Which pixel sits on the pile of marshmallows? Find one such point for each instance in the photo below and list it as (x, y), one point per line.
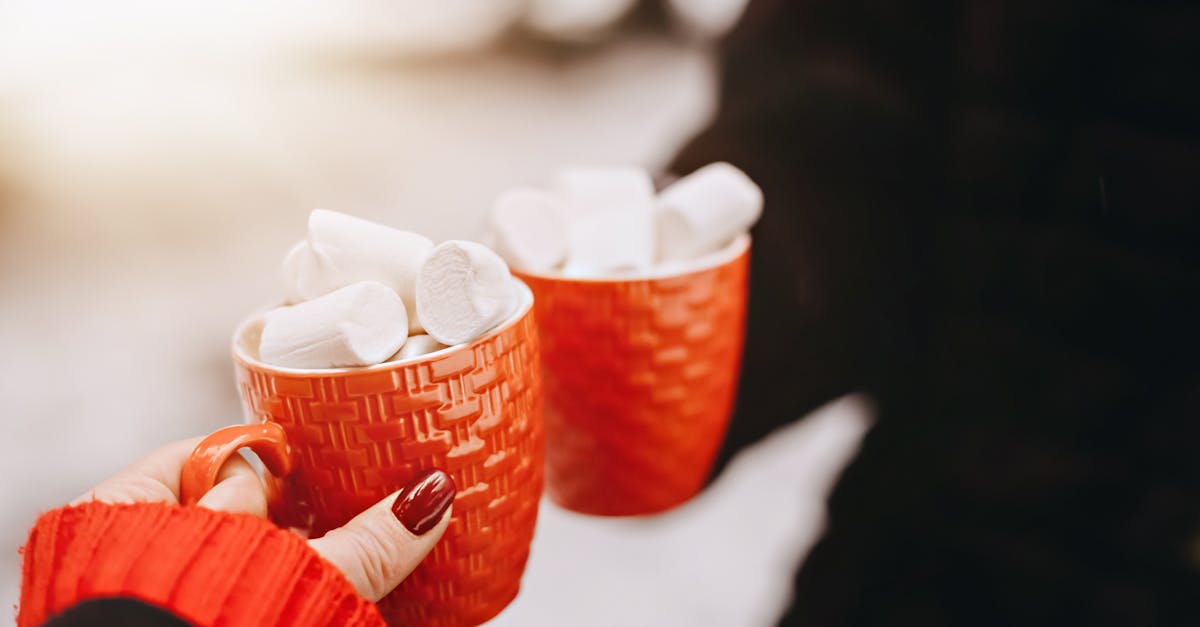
(602, 222)
(363, 293)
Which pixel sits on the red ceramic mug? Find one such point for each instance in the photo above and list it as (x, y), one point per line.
(641, 376)
(337, 441)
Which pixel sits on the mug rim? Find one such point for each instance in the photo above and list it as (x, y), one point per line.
(244, 358)
(710, 261)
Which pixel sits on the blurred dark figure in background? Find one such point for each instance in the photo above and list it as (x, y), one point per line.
(984, 214)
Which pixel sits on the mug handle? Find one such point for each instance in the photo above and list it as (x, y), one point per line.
(199, 473)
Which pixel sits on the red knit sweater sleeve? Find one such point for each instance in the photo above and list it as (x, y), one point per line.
(207, 567)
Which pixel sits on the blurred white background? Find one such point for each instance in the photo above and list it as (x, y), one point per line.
(156, 160)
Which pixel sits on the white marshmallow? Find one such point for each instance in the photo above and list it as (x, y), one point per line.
(463, 290)
(358, 325)
(705, 210)
(416, 346)
(611, 223)
(302, 266)
(588, 190)
(527, 229)
(343, 249)
(615, 241)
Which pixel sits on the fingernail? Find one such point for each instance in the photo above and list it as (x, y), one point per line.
(424, 500)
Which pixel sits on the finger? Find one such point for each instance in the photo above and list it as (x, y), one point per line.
(382, 545)
(152, 479)
(238, 490)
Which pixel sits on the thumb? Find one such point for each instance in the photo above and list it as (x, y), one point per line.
(381, 546)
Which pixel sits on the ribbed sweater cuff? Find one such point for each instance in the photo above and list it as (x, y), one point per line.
(207, 567)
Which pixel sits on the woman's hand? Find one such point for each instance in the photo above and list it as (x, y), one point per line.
(375, 551)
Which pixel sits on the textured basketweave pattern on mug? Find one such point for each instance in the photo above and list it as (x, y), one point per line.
(640, 382)
(475, 413)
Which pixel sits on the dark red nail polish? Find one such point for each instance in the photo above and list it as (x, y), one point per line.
(424, 500)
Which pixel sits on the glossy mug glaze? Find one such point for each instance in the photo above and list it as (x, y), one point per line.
(336, 441)
(640, 376)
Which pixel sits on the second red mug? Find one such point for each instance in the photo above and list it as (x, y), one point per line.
(641, 375)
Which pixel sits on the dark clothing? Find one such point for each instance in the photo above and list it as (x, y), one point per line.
(985, 215)
(116, 612)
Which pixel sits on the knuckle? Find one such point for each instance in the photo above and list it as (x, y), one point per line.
(239, 494)
(372, 557)
(134, 490)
